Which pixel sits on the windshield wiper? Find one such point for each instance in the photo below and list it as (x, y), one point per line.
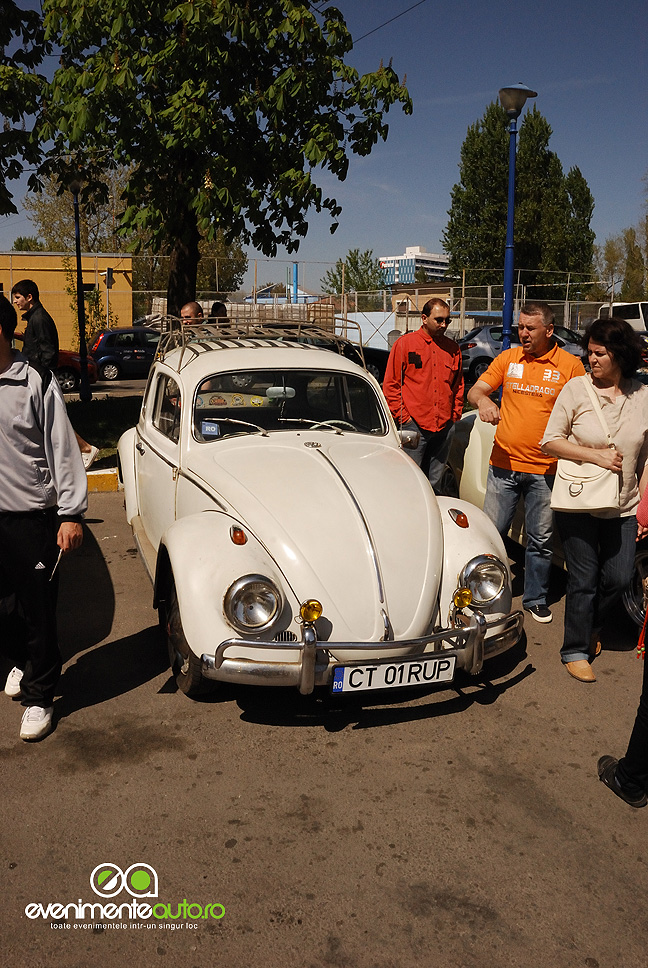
(243, 423)
(311, 423)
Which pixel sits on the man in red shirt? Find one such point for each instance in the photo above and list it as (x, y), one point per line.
(424, 387)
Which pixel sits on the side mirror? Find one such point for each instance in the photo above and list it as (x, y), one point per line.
(409, 439)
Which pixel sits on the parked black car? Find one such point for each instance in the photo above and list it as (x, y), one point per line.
(124, 352)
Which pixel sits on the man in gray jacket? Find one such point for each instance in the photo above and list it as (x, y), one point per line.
(42, 498)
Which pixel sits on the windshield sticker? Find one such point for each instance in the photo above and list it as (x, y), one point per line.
(257, 401)
(237, 400)
(217, 401)
(210, 429)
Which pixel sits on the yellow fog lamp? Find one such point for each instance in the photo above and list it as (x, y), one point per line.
(310, 611)
(462, 597)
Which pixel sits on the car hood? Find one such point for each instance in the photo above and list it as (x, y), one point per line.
(348, 520)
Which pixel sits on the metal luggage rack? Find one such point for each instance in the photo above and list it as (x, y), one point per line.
(222, 332)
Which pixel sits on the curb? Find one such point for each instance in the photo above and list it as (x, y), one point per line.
(103, 480)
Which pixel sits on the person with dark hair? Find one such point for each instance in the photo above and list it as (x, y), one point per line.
(218, 310)
(599, 546)
(424, 388)
(531, 376)
(40, 339)
(43, 496)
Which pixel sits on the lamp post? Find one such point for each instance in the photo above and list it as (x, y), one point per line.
(512, 100)
(85, 392)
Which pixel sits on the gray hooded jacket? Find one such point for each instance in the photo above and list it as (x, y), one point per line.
(39, 456)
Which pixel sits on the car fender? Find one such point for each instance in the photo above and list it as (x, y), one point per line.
(126, 465)
(461, 544)
(199, 552)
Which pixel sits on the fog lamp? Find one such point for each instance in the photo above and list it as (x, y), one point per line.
(462, 597)
(311, 610)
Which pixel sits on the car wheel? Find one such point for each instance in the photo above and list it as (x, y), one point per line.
(477, 367)
(68, 380)
(109, 371)
(373, 369)
(633, 596)
(185, 665)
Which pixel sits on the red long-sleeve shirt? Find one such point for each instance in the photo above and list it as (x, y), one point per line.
(424, 380)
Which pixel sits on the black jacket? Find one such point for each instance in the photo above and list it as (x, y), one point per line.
(40, 340)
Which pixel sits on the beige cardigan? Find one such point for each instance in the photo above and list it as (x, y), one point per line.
(573, 418)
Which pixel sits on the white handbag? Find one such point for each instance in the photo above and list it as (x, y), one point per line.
(583, 486)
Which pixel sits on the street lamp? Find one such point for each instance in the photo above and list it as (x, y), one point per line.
(85, 393)
(512, 100)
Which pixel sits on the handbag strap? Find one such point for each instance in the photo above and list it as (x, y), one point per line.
(597, 408)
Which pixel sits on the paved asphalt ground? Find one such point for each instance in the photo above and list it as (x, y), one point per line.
(462, 828)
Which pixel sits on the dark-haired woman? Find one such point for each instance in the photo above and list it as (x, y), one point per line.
(599, 546)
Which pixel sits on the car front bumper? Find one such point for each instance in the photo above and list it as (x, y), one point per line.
(314, 663)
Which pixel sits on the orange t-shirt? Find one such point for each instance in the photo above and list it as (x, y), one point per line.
(530, 387)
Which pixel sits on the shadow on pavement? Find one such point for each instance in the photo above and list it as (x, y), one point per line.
(286, 707)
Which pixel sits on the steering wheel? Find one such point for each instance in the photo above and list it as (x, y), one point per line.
(333, 423)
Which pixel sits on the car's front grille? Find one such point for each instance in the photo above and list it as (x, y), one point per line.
(286, 636)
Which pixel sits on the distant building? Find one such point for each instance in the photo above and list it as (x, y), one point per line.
(401, 269)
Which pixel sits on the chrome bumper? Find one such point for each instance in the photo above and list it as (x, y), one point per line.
(315, 661)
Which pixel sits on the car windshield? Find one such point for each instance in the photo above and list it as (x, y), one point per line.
(262, 401)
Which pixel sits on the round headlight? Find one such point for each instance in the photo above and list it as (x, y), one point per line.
(485, 576)
(252, 603)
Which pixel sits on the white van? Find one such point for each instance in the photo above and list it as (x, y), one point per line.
(636, 313)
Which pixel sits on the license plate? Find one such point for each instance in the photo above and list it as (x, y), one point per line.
(394, 675)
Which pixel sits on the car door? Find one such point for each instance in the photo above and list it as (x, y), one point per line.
(126, 351)
(150, 344)
(157, 456)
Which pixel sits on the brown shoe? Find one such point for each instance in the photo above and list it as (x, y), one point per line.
(595, 646)
(581, 670)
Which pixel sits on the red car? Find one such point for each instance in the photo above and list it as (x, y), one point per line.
(68, 371)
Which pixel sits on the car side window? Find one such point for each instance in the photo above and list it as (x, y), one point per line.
(167, 409)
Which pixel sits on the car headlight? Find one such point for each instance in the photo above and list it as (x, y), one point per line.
(252, 603)
(485, 576)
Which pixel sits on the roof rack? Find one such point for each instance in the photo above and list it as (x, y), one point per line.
(179, 333)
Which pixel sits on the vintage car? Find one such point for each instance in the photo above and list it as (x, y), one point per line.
(465, 477)
(289, 538)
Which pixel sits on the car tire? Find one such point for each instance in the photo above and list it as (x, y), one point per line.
(373, 369)
(633, 596)
(68, 379)
(109, 371)
(477, 367)
(185, 664)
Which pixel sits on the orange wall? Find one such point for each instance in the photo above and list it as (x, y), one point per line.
(47, 271)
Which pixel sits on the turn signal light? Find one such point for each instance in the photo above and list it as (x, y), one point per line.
(238, 535)
(311, 610)
(459, 518)
(462, 597)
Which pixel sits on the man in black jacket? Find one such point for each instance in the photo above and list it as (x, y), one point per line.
(40, 339)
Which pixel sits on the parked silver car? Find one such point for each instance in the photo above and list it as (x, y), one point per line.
(480, 346)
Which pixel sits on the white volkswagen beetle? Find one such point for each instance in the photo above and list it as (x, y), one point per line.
(290, 539)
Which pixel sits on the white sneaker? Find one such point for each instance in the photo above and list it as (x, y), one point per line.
(36, 722)
(12, 685)
(89, 456)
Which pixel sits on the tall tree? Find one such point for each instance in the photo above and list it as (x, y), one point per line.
(223, 110)
(20, 32)
(552, 213)
(222, 265)
(362, 274)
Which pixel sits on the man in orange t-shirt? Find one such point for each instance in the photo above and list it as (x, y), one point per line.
(424, 387)
(532, 375)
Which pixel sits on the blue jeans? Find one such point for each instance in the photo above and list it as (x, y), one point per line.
(503, 491)
(431, 455)
(600, 554)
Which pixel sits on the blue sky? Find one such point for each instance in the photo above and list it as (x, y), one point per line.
(586, 60)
